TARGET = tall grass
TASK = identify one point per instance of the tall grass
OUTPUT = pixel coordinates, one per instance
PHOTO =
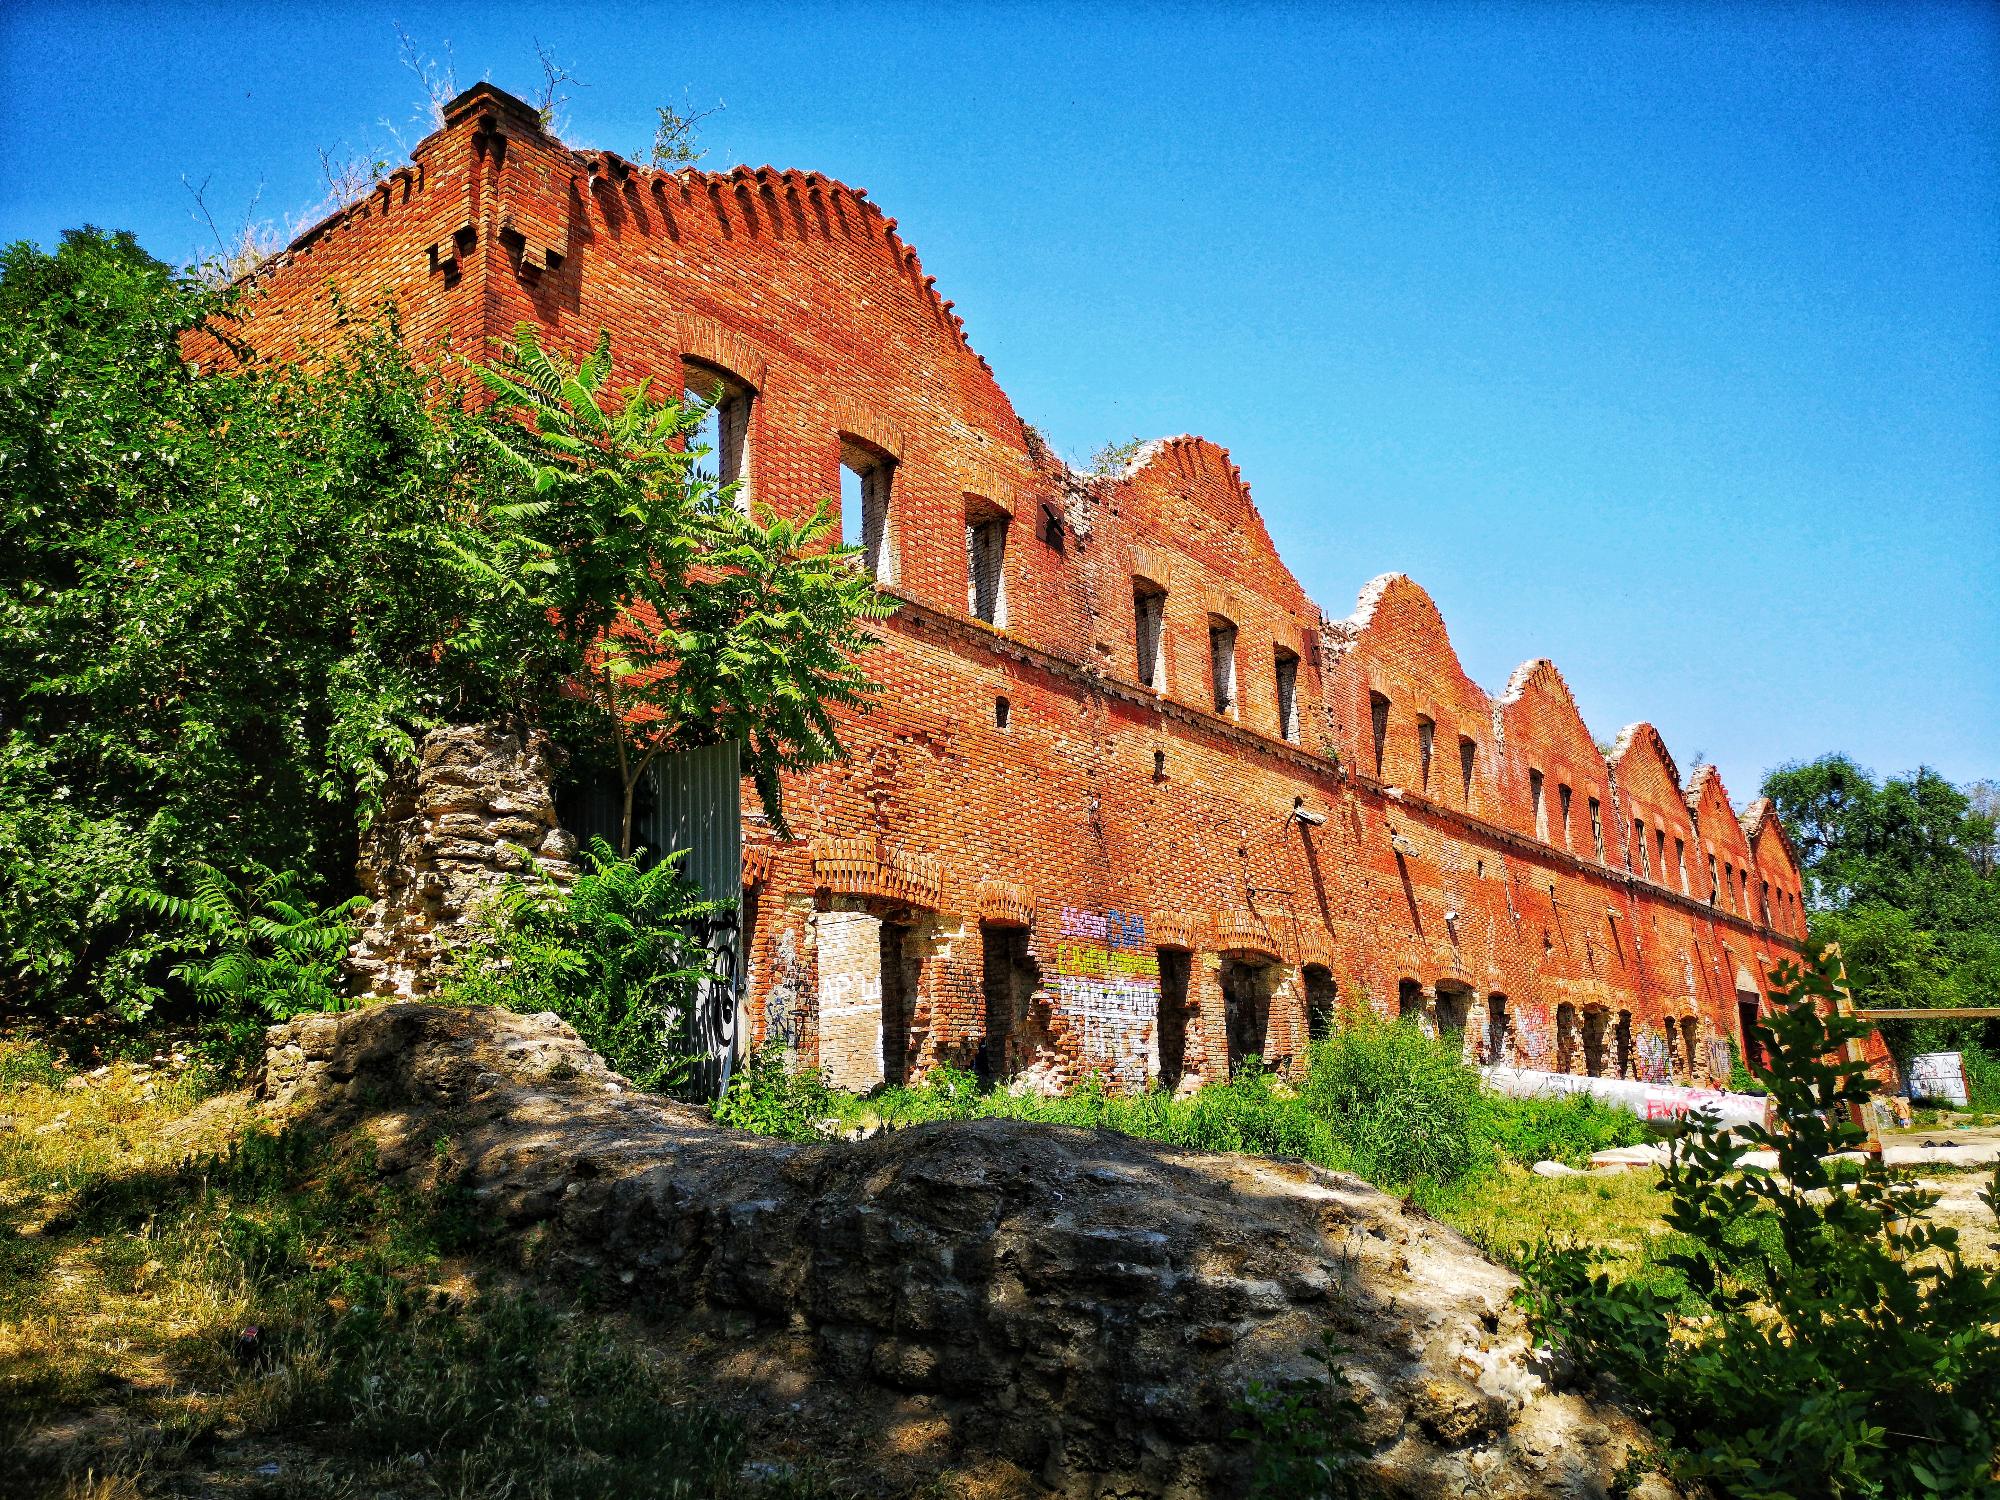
(1379, 1098)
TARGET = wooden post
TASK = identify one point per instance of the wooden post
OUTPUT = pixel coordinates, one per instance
(1863, 1115)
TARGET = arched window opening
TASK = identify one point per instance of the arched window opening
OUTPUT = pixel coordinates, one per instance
(725, 427)
(867, 475)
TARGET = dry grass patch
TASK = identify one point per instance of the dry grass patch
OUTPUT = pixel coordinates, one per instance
(193, 1305)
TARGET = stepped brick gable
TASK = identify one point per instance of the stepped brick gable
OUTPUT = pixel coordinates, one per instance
(1131, 802)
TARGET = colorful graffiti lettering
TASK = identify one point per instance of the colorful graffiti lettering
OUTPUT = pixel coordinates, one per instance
(1109, 989)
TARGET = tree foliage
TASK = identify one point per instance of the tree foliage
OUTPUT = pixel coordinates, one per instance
(1828, 1339)
(233, 600)
(1900, 873)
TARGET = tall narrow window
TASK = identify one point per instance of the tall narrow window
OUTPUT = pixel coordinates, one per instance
(1714, 885)
(1563, 799)
(1597, 828)
(1681, 861)
(1541, 806)
(1468, 752)
(866, 477)
(1729, 883)
(1427, 731)
(1660, 853)
(1645, 855)
(1286, 665)
(1378, 724)
(725, 429)
(1222, 663)
(1149, 616)
(1764, 899)
(985, 560)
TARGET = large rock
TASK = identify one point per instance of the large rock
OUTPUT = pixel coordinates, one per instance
(1058, 1311)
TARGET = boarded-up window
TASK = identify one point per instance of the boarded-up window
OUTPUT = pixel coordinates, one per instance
(985, 561)
(1286, 664)
(1222, 663)
(1149, 619)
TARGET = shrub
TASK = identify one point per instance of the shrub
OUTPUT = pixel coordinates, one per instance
(1829, 1340)
(1569, 1128)
(255, 954)
(1304, 1435)
(1403, 1103)
(617, 955)
(773, 1098)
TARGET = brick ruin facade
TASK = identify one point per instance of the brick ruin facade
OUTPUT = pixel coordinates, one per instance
(1130, 802)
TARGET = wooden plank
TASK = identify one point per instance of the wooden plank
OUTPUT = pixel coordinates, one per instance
(1960, 1013)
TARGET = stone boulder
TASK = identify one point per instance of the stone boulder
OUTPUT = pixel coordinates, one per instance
(1055, 1311)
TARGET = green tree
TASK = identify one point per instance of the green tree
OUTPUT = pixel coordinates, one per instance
(1900, 873)
(235, 599)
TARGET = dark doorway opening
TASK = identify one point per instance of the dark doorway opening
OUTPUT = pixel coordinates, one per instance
(899, 988)
(1322, 997)
(1409, 1000)
(1593, 1042)
(1496, 1031)
(1008, 980)
(1173, 1018)
(1454, 1006)
(1623, 1043)
(1746, 1018)
(1246, 998)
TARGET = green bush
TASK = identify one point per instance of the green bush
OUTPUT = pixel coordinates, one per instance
(1379, 1098)
(252, 953)
(617, 954)
(1569, 1128)
(1402, 1103)
(1826, 1338)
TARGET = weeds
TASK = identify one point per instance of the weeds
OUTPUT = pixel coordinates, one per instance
(1379, 1098)
(187, 1301)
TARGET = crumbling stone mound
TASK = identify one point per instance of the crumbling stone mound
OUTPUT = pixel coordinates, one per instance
(475, 806)
(1059, 1311)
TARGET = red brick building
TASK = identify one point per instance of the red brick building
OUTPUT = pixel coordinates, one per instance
(1131, 801)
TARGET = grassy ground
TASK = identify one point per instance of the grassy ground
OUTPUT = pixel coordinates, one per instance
(192, 1306)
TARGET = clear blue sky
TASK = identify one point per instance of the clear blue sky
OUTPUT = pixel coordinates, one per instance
(1664, 343)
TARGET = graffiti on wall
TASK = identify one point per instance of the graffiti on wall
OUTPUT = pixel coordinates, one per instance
(1531, 1037)
(1654, 1057)
(1718, 1056)
(1108, 987)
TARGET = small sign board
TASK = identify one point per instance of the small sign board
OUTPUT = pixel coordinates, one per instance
(1939, 1076)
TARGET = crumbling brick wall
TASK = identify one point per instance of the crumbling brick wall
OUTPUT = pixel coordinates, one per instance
(1027, 775)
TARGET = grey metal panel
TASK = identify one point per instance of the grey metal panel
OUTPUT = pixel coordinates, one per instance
(698, 807)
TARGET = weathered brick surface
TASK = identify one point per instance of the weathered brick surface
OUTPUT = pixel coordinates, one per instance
(1114, 820)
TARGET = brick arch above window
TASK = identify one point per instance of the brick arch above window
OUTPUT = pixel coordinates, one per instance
(707, 341)
(850, 419)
